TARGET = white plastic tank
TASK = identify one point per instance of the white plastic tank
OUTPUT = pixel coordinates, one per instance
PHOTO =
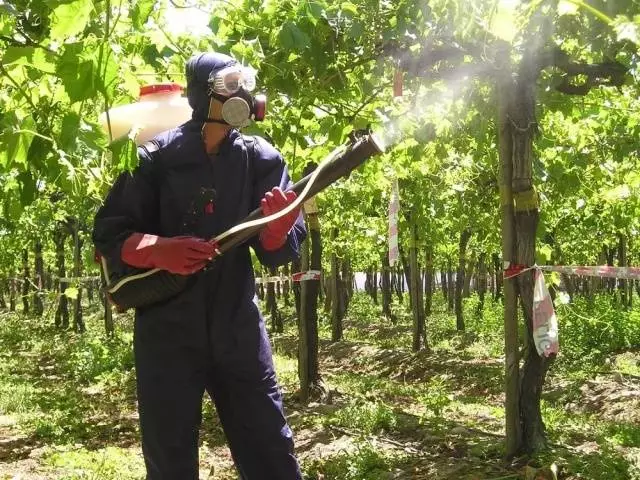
(159, 108)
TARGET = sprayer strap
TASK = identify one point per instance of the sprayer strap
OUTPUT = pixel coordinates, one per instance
(250, 143)
(150, 147)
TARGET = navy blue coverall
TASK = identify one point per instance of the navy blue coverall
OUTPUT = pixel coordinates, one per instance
(212, 336)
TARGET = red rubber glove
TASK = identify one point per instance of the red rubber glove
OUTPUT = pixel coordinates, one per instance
(181, 255)
(274, 234)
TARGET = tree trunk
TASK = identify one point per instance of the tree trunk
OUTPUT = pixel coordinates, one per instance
(630, 283)
(12, 292)
(286, 286)
(308, 372)
(450, 286)
(276, 273)
(512, 360)
(497, 276)
(386, 287)
(374, 283)
(569, 284)
(62, 310)
(491, 279)
(392, 278)
(336, 316)
(399, 286)
(295, 286)
(272, 305)
(468, 277)
(38, 291)
(622, 262)
(415, 288)
(48, 280)
(3, 287)
(518, 127)
(610, 254)
(305, 314)
(595, 283)
(314, 290)
(25, 280)
(346, 286)
(443, 284)
(460, 276)
(370, 284)
(78, 322)
(482, 282)
(260, 286)
(407, 275)
(428, 282)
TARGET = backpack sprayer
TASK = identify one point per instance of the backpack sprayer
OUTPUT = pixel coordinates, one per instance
(161, 107)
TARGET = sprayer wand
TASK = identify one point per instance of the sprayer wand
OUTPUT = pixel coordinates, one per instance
(339, 163)
(141, 288)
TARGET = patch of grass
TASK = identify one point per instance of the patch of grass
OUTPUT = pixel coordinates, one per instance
(590, 331)
(437, 397)
(365, 463)
(628, 363)
(610, 445)
(606, 463)
(366, 417)
(564, 427)
(364, 384)
(476, 411)
(624, 434)
(434, 395)
(64, 387)
(91, 356)
(71, 389)
(483, 337)
(364, 323)
(16, 396)
(287, 371)
(109, 463)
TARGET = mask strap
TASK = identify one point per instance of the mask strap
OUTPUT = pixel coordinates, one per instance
(215, 120)
(217, 96)
(222, 99)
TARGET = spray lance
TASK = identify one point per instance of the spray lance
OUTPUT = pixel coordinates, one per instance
(140, 288)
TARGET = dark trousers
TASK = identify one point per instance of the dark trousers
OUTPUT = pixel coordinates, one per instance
(172, 378)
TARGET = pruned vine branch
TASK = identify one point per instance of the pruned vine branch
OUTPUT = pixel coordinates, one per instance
(580, 78)
(449, 62)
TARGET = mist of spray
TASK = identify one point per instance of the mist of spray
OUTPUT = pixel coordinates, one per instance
(435, 101)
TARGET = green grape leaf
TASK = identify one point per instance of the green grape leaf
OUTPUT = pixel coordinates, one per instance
(140, 13)
(77, 73)
(292, 38)
(70, 19)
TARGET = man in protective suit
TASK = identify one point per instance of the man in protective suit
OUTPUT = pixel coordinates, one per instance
(192, 183)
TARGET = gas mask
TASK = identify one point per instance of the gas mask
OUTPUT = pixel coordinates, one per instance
(232, 86)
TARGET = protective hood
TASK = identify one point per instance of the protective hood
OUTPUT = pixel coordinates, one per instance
(197, 71)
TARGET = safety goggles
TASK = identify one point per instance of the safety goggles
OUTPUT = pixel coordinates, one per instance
(231, 79)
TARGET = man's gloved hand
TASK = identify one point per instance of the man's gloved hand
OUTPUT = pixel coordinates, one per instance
(181, 255)
(274, 234)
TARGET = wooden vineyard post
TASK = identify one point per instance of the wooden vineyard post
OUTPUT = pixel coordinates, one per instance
(512, 360)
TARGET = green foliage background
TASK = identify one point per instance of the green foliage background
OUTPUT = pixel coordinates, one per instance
(327, 68)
